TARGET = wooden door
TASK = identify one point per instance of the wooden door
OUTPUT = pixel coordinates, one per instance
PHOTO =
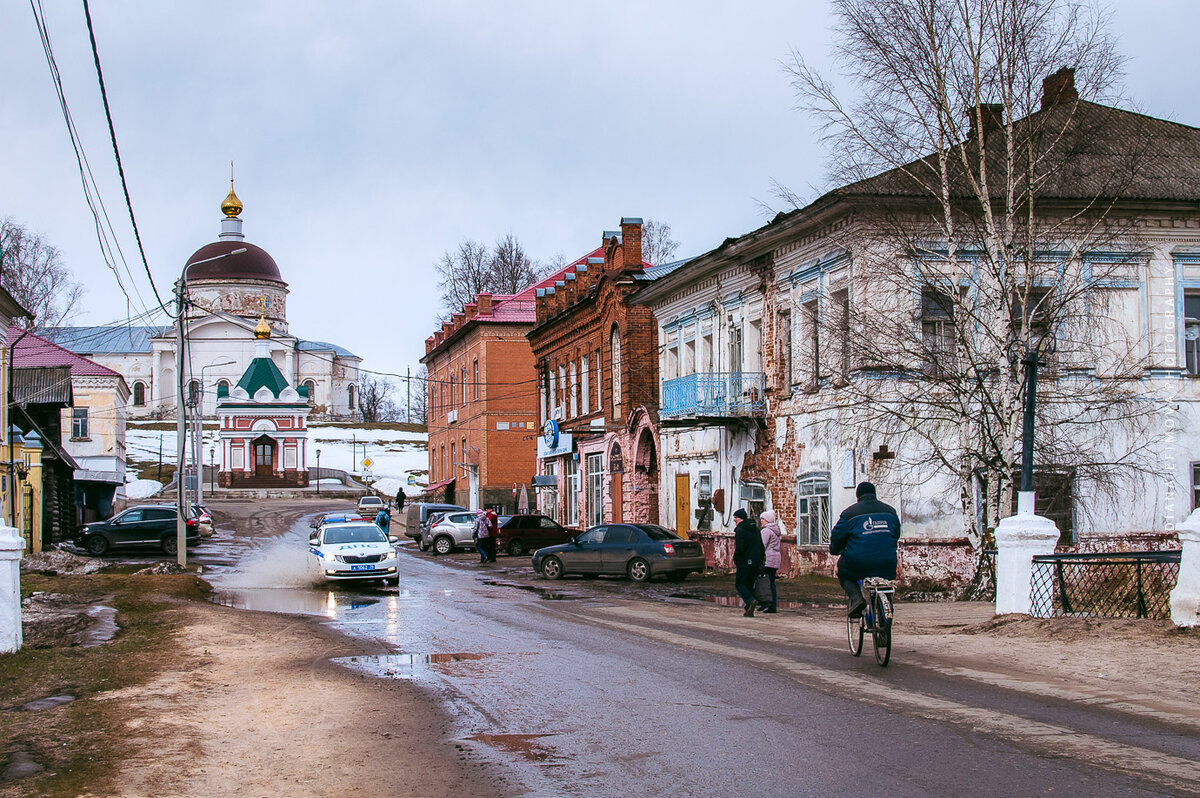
(683, 504)
(264, 459)
(617, 499)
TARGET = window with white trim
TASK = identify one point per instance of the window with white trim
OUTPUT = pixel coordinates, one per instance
(812, 509)
(1191, 333)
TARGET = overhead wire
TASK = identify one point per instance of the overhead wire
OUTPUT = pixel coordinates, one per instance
(105, 234)
(117, 154)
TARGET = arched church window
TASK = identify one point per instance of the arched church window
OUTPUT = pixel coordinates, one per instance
(350, 392)
(223, 383)
(139, 394)
(311, 385)
(193, 392)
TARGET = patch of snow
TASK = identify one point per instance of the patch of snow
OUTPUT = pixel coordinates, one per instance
(394, 454)
(389, 485)
(142, 488)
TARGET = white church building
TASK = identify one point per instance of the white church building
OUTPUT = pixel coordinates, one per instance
(230, 283)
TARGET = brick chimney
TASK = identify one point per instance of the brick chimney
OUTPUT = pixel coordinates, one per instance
(429, 344)
(631, 244)
(484, 302)
(1059, 88)
(470, 309)
(992, 115)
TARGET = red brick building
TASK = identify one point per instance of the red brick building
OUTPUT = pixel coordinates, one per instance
(482, 402)
(597, 366)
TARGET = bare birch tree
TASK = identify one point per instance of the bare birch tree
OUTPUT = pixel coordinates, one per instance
(473, 269)
(984, 230)
(33, 272)
(657, 244)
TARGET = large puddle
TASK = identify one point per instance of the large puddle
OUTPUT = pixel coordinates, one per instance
(295, 601)
(405, 666)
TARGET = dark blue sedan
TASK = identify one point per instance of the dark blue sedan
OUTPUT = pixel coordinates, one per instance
(639, 551)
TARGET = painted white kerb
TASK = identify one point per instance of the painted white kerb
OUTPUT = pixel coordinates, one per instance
(1019, 538)
(1185, 598)
(11, 546)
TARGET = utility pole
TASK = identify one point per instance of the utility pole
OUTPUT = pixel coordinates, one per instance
(180, 421)
(408, 394)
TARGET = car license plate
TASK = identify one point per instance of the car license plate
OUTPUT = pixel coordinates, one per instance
(362, 567)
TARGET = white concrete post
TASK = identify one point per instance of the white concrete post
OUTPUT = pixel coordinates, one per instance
(1185, 598)
(1019, 538)
(11, 546)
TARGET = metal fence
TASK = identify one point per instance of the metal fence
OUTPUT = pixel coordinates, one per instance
(717, 394)
(1119, 585)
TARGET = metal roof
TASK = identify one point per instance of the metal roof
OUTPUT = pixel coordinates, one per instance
(104, 340)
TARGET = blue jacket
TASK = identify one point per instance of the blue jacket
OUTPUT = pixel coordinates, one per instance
(866, 535)
(383, 520)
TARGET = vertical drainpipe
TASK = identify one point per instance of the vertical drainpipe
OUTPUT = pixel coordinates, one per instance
(12, 486)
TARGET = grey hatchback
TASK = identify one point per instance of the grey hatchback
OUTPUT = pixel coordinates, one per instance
(639, 551)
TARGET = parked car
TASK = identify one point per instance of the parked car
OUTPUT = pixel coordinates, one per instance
(335, 517)
(204, 520)
(353, 551)
(638, 550)
(416, 516)
(369, 506)
(449, 531)
(524, 533)
(135, 527)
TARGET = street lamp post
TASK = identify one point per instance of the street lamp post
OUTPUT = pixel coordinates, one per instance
(180, 410)
(198, 423)
(318, 472)
(212, 471)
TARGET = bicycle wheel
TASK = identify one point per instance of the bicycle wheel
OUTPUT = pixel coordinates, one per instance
(854, 633)
(881, 630)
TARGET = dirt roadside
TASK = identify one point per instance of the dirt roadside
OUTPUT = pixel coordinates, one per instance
(196, 699)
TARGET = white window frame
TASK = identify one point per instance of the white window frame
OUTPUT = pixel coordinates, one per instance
(812, 509)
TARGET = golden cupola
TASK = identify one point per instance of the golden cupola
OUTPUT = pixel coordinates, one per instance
(262, 330)
(231, 206)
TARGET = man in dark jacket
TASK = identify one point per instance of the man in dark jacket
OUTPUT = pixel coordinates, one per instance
(399, 499)
(747, 558)
(865, 536)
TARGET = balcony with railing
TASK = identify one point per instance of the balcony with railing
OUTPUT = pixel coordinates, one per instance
(717, 394)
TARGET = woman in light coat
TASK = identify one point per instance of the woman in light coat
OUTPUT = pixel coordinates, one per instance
(771, 535)
(481, 534)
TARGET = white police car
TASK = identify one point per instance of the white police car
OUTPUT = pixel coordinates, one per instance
(353, 550)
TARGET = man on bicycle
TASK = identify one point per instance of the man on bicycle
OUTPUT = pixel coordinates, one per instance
(865, 536)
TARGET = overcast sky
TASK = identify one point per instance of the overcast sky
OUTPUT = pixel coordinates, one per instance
(370, 137)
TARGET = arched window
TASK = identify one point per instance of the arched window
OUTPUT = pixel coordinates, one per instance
(139, 394)
(223, 383)
(311, 385)
(476, 378)
(463, 398)
(350, 392)
(616, 371)
(193, 392)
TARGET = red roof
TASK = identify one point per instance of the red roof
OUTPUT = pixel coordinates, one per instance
(33, 351)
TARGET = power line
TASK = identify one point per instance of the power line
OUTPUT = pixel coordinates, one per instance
(90, 190)
(117, 153)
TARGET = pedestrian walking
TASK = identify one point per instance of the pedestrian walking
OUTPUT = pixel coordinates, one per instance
(747, 558)
(399, 499)
(493, 534)
(383, 520)
(481, 533)
(771, 537)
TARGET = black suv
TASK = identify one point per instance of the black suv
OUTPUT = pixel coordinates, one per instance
(144, 525)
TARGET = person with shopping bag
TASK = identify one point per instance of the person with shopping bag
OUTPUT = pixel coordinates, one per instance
(771, 537)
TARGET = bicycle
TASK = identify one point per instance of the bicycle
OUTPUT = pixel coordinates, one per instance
(876, 619)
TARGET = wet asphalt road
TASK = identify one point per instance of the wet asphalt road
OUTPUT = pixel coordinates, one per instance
(581, 689)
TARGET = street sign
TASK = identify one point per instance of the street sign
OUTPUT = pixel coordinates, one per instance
(368, 462)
